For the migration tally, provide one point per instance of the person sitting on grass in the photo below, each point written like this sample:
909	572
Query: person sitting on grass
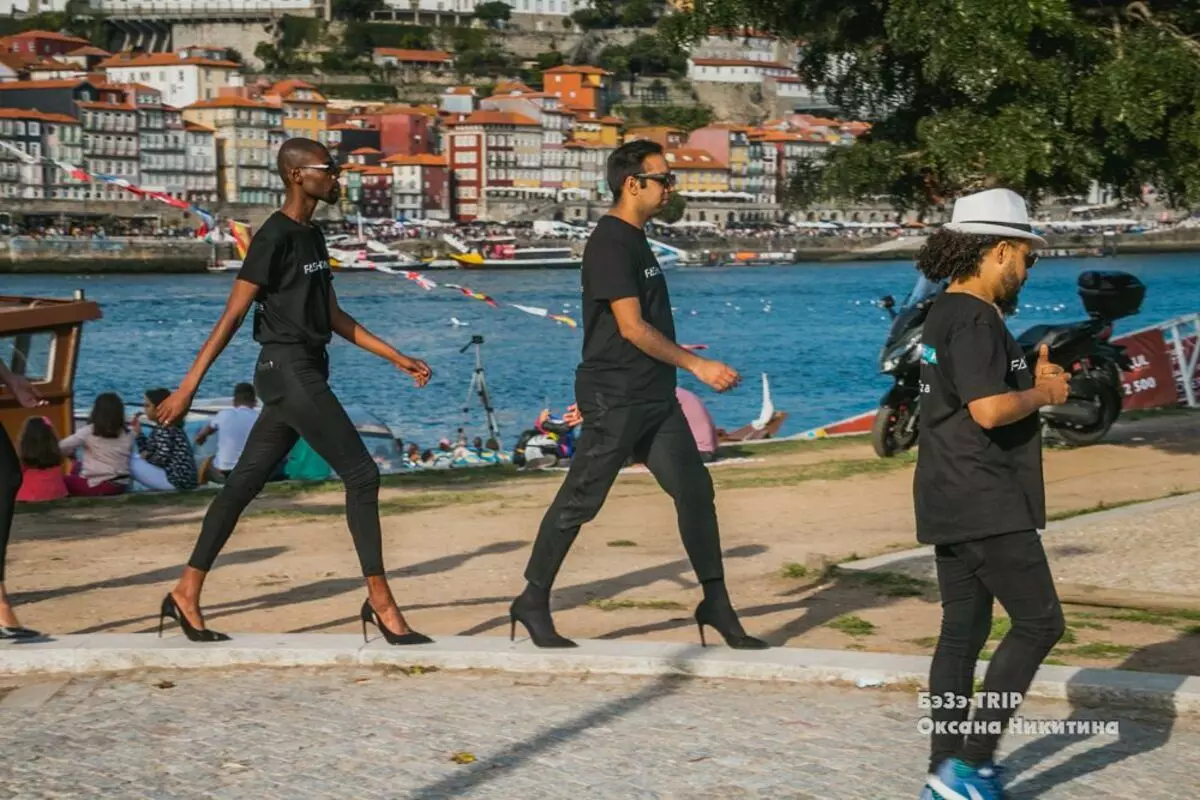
41	463
232	427
105	446
164	460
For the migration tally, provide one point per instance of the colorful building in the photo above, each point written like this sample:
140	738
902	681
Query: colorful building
185	77
580	85
700	174
303	108
248	134
420	186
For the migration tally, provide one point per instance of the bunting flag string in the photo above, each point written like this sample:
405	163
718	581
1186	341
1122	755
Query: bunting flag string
80	174
428	285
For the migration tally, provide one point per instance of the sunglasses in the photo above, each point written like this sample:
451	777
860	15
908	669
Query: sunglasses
667	180
1031	258
333	169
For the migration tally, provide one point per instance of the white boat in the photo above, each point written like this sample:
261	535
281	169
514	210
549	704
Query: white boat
501	252
225	265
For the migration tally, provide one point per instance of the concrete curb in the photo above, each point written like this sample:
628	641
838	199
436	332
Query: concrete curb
921	558
73	654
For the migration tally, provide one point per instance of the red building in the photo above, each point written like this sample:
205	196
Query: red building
42	43
420	186
485	155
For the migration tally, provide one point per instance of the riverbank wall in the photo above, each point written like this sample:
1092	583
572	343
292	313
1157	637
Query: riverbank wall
22	254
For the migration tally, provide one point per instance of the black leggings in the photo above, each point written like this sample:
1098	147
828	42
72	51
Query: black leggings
10	483
297	401
654	433
1012	569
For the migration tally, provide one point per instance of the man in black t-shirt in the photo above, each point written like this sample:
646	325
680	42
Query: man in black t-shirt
286	277
625	389
978	491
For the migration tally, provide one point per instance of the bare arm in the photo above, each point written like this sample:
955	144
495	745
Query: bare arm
1050	388
20	387
241	297
645	337
353	331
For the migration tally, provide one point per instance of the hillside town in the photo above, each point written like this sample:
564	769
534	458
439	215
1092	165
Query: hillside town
197	126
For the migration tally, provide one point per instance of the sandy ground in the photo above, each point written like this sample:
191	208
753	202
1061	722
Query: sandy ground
456	553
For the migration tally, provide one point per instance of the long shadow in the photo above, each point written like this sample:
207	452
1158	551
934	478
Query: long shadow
324	589
583	593
490	769
145	578
1174	431
1133	739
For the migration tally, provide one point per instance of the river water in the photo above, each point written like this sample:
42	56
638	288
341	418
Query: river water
812	328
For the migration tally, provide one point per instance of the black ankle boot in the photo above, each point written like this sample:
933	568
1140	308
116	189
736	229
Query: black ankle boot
723	619
533	612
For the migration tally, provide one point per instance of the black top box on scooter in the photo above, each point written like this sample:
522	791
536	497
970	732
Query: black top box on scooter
1111	295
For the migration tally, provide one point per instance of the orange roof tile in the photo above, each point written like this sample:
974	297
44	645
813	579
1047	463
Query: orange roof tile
510	87
197	127
402	54
416	160
62	83
692	158
740	62
229	102
487	117
576	69
285	88
376	171
30	113
89	50
163	60
366	151
51	35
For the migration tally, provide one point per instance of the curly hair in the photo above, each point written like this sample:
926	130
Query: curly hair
953	255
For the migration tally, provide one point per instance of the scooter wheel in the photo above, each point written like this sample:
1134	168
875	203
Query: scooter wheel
889	432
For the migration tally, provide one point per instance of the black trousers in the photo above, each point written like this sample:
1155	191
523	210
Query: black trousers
297	401
1012	569
654	433
10	483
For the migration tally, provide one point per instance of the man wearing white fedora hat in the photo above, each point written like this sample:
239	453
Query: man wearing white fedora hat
978	492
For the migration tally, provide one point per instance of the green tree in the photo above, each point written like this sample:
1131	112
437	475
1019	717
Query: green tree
636	13
355	9
673	211
1043	96
493	13
549	60
805	187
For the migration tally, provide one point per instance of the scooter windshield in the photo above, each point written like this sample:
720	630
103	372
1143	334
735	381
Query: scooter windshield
924	289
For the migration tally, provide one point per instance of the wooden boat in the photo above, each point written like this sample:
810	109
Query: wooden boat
766	426
39	339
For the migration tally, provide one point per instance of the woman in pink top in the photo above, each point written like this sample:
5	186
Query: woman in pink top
105	445
41	463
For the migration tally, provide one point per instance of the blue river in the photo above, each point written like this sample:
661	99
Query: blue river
814	329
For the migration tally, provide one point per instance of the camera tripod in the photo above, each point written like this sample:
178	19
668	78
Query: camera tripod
478	387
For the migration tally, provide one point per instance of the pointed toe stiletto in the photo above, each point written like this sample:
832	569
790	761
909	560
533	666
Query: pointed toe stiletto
728	626
538	625
412	637
18	632
171	609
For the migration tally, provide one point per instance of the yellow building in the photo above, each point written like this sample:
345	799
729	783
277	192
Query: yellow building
248	135
595	128
698	170
303	108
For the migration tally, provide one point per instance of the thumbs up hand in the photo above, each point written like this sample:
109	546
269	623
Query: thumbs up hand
1050	378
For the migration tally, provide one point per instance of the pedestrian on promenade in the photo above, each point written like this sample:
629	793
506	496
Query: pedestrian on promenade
625	388
10	484
978	492
286	276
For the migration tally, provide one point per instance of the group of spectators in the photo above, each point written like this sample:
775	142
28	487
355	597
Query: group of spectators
111	455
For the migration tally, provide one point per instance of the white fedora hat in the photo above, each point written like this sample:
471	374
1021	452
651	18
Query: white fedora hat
996	212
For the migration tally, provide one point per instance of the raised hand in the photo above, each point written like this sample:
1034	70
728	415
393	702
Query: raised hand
1050	378
718	376
174	407
417	369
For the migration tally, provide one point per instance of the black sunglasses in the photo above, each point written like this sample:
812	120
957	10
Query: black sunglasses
665	179
1031	258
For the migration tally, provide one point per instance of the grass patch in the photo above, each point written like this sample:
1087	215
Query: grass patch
1192	630
1055	662
977	687
390	507
790	447
1088	624
1169	619
1157	413
622	543
851	625
1000	628
984	655
1058	516
892	584
620	605
793	570
928	642
824	471
1100	650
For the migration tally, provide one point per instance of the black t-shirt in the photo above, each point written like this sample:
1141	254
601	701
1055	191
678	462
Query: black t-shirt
618	263
973	483
289	262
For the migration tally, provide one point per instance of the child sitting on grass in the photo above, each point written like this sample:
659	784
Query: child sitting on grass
41	463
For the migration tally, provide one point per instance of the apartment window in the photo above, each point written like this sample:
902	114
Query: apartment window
19	127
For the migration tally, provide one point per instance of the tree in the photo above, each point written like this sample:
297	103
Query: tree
549	60
673	211
355	9
636	14
1043	96
804	186
493	13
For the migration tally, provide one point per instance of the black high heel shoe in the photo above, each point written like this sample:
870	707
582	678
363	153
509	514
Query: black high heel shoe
171	609
18	632
538	624
412	637
728	626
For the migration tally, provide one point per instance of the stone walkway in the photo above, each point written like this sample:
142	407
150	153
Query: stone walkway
364	733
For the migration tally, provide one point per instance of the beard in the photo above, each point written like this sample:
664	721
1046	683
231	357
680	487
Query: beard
1010	292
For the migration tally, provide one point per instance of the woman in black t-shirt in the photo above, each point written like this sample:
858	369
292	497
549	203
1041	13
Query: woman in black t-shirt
286	276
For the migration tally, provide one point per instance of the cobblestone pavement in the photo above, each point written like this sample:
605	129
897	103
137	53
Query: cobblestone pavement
360	733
